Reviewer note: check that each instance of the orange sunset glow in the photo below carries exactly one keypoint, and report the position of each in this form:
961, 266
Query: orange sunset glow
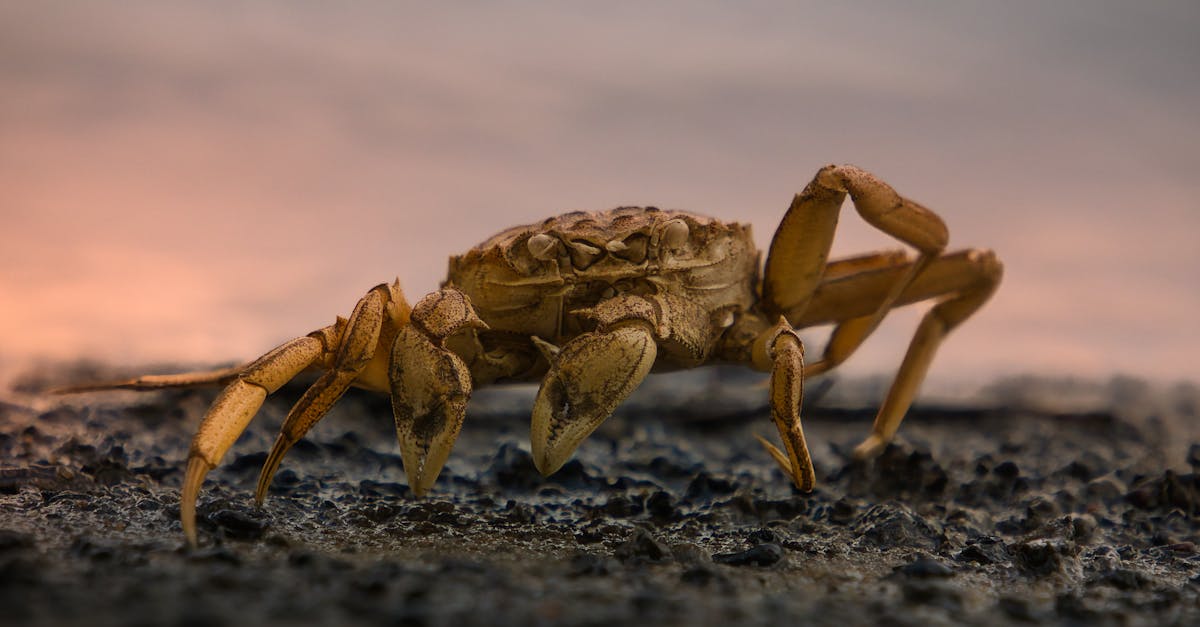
196, 182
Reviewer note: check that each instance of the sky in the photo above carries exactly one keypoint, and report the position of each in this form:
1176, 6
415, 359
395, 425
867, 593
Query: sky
199, 181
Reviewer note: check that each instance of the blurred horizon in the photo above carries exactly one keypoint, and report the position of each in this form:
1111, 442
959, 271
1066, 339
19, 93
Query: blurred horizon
192, 182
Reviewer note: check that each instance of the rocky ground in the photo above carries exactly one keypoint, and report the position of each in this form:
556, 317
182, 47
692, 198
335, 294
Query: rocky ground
1029, 502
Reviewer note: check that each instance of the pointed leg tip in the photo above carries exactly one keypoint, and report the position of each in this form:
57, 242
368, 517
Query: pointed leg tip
869, 448
197, 468
270, 467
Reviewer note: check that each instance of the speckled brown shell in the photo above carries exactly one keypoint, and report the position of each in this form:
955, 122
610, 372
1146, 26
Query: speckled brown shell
575, 260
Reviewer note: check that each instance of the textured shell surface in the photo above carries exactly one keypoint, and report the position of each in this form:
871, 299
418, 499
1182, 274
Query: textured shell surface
528, 280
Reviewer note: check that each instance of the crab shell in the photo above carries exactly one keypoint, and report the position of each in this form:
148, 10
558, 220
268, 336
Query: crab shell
543, 280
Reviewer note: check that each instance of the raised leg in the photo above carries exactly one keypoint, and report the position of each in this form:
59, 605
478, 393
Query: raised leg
430, 384
796, 264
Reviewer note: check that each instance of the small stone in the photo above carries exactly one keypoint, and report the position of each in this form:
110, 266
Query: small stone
1125, 579
1007, 470
984, 550
690, 553
763, 554
842, 512
705, 486
1038, 557
240, 524
641, 547
894, 524
661, 505
925, 568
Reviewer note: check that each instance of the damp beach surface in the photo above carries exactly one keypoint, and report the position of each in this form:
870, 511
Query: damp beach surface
1030, 501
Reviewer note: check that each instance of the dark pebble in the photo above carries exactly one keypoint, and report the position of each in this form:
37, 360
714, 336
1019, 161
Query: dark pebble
763, 554
690, 553
984, 550
1007, 470
661, 505
705, 486
894, 524
641, 547
240, 524
924, 568
1104, 489
621, 506
842, 512
513, 468
1038, 557
1125, 579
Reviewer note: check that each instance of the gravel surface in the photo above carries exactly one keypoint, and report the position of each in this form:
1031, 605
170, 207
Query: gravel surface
1031, 501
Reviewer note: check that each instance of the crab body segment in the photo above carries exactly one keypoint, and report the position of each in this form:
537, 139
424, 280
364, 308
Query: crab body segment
590, 303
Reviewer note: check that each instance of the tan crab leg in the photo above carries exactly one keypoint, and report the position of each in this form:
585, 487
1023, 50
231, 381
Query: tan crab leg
796, 263
781, 346
933, 328
589, 376
232, 411
963, 280
355, 349
859, 294
221, 376
430, 384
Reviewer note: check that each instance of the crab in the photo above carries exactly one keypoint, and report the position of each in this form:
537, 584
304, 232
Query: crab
589, 304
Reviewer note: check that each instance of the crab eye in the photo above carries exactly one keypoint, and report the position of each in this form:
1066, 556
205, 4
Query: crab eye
675, 234
543, 247
584, 254
631, 249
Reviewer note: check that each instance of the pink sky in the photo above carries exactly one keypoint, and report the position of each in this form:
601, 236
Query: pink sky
195, 182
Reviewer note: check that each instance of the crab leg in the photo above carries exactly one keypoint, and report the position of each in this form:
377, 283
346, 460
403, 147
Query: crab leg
430, 384
796, 262
786, 353
962, 281
934, 326
231, 412
221, 376
354, 352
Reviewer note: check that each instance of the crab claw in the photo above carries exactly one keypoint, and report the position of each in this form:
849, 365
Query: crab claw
589, 376
430, 389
